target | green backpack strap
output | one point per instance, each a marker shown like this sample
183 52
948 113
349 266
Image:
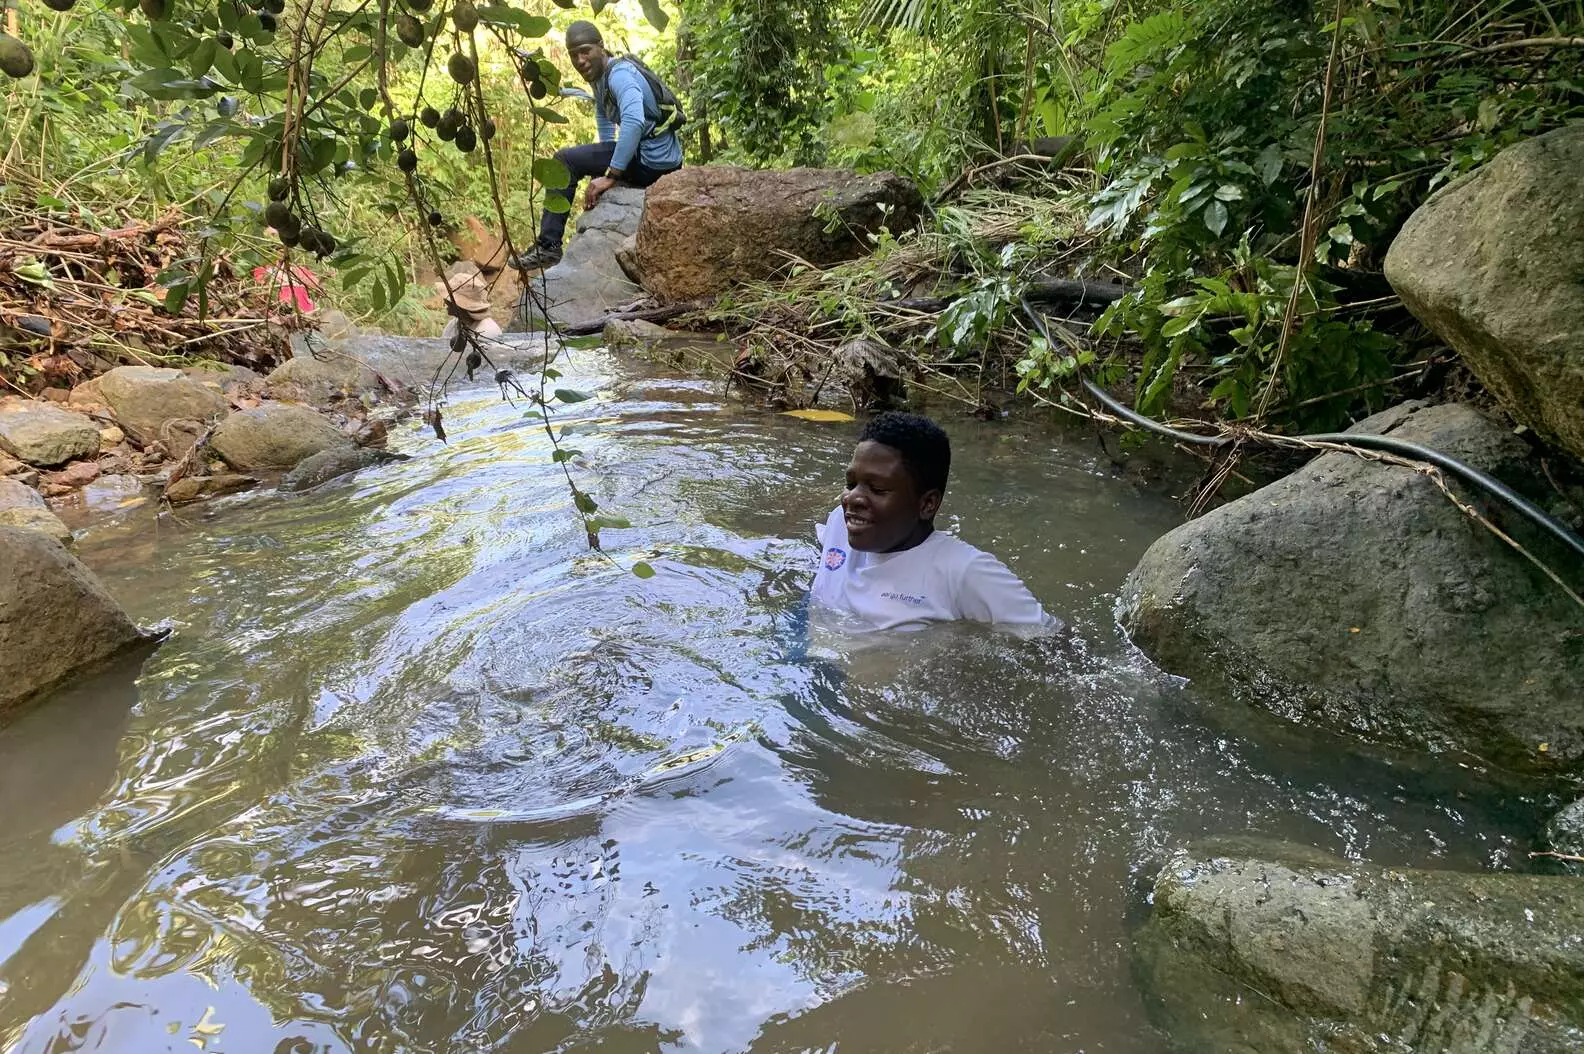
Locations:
669 116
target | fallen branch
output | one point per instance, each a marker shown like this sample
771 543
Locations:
644 314
1051 290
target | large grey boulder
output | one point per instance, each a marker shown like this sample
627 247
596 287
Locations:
145 399
21 506
588 281
55 616
1494 264
1353 595
45 435
1279 949
274 437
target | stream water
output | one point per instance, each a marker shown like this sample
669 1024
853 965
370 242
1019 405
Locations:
417 771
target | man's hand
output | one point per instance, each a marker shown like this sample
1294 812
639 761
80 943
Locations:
596 187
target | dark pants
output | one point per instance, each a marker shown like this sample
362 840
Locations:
587 159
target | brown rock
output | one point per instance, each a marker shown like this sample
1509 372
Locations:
21 506
150 403
55 395
55 616
44 434
76 474
111 437
705 228
274 437
191 488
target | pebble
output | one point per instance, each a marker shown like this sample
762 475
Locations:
76 474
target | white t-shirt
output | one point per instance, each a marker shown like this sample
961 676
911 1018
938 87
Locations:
941 579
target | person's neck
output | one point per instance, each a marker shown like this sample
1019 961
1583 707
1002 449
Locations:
915 538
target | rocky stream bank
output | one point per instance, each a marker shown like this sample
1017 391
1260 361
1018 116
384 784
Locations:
1359 597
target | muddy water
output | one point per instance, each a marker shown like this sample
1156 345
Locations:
418 772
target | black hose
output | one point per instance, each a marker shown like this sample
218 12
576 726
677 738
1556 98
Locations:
1467 473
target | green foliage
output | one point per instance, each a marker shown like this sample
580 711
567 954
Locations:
758 72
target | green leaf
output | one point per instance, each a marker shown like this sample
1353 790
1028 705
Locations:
643 570
1179 325
225 64
572 395
1215 217
1229 192
203 57
551 173
355 54
563 456
549 116
176 296
556 203
655 14
1268 164
167 85
213 132
585 504
607 521
368 97
354 276
160 139
526 24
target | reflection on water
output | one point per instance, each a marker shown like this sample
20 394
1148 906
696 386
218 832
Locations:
418 772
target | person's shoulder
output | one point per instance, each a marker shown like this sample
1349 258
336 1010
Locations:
623 72
952 550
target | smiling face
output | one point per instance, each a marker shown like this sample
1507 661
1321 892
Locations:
884 509
590 60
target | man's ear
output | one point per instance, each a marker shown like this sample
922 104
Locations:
929 504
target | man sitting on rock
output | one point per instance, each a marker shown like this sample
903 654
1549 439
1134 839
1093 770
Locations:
637 120
881 559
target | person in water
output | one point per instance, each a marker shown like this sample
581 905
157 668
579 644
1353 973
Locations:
881 558
638 141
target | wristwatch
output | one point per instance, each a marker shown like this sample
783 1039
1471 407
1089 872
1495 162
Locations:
611 173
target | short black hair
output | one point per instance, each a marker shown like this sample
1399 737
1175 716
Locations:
582 32
925 450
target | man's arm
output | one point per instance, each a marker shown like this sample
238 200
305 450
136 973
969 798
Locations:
990 592
627 84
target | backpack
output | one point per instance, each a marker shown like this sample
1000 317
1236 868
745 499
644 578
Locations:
670 118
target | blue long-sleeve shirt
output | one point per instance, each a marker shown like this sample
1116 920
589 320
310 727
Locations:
635 102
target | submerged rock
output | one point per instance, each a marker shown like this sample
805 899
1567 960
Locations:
146 400
45 435
588 281
55 617
1353 595
1494 264
22 506
1279 949
274 437
706 228
633 333
192 488
332 464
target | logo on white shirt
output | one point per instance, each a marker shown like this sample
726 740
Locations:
835 558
